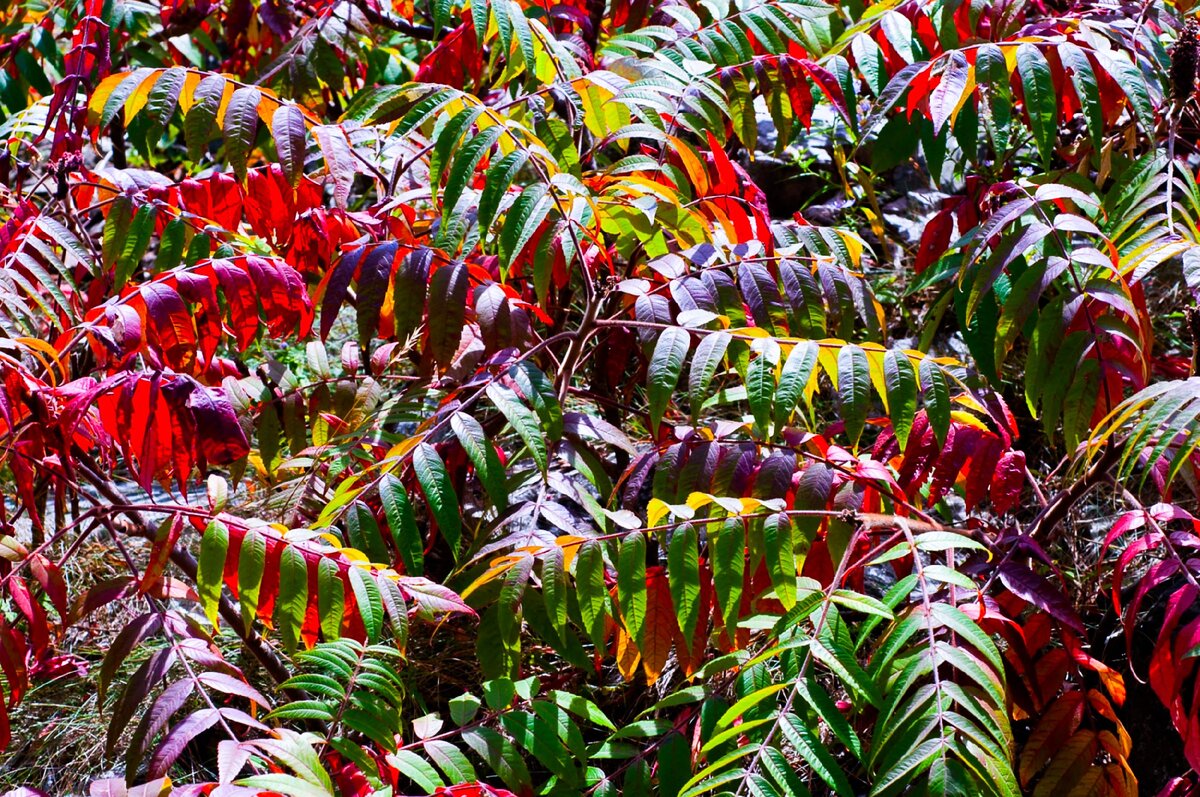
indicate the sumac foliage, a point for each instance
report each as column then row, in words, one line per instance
column 770, row 397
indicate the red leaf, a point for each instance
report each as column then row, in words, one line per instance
column 456, row 59
column 934, row 240
column 660, row 627
column 1008, row 481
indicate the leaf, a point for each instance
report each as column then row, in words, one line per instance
column 935, row 394
column 729, row 564
column 760, row 390
column 292, row 603
column 241, row 128
column 809, row 746
column 403, row 524
column 501, row 755
column 439, row 494
column 1041, row 105
column 251, row 564
column 590, row 590
column 178, row 738
column 499, row 179
column 201, row 117
column 290, row 133
column 536, row 736
column 708, row 357
column 947, row 97
column 483, row 456
column 210, row 570
column 781, row 557
column 901, row 381
column 683, row 575
column 631, row 584
column 447, row 310
column 1083, row 79
column 794, row 377
column 854, row 389
column 523, row 421
column 331, row 598
column 666, row 364
column 368, row 600
column 409, row 292
column 1026, row 584
column 415, row 768
column 554, row 591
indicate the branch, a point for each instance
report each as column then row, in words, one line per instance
column 1062, row 503
column 423, row 32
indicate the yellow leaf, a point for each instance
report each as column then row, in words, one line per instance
column 101, row 94
column 137, row 100
column 627, row 654
column 656, row 511
column 570, row 545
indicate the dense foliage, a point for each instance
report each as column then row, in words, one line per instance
column 656, row 397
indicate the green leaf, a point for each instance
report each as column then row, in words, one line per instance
column 290, row 134
column 780, row 541
column 810, row 748
column 663, row 373
column 462, row 170
column 416, row 769
column 729, row 565
column 582, row 707
column 331, row 598
column 901, row 380
column 396, row 608
column 482, row 454
column 125, row 89
column 1041, row 105
column 522, row 220
column 368, row 599
column 241, row 128
column 1083, row 78
column 447, row 310
column 292, row 601
column 252, row 560
column 908, row 767
column 683, row 577
column 363, row 532
column 854, row 389
column 760, row 390
column 523, row 421
column 136, row 241
column 464, row 708
column 285, row 784
column 450, row 760
column 403, row 524
column 501, row 755
column 116, row 230
column 935, row 394
column 631, row 584
column 541, row 395
column 439, row 494
column 590, row 590
column 499, row 179
column 554, row 591
column 210, row 569
column 201, row 118
column 709, row 354
column 795, row 375
column 535, row 735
